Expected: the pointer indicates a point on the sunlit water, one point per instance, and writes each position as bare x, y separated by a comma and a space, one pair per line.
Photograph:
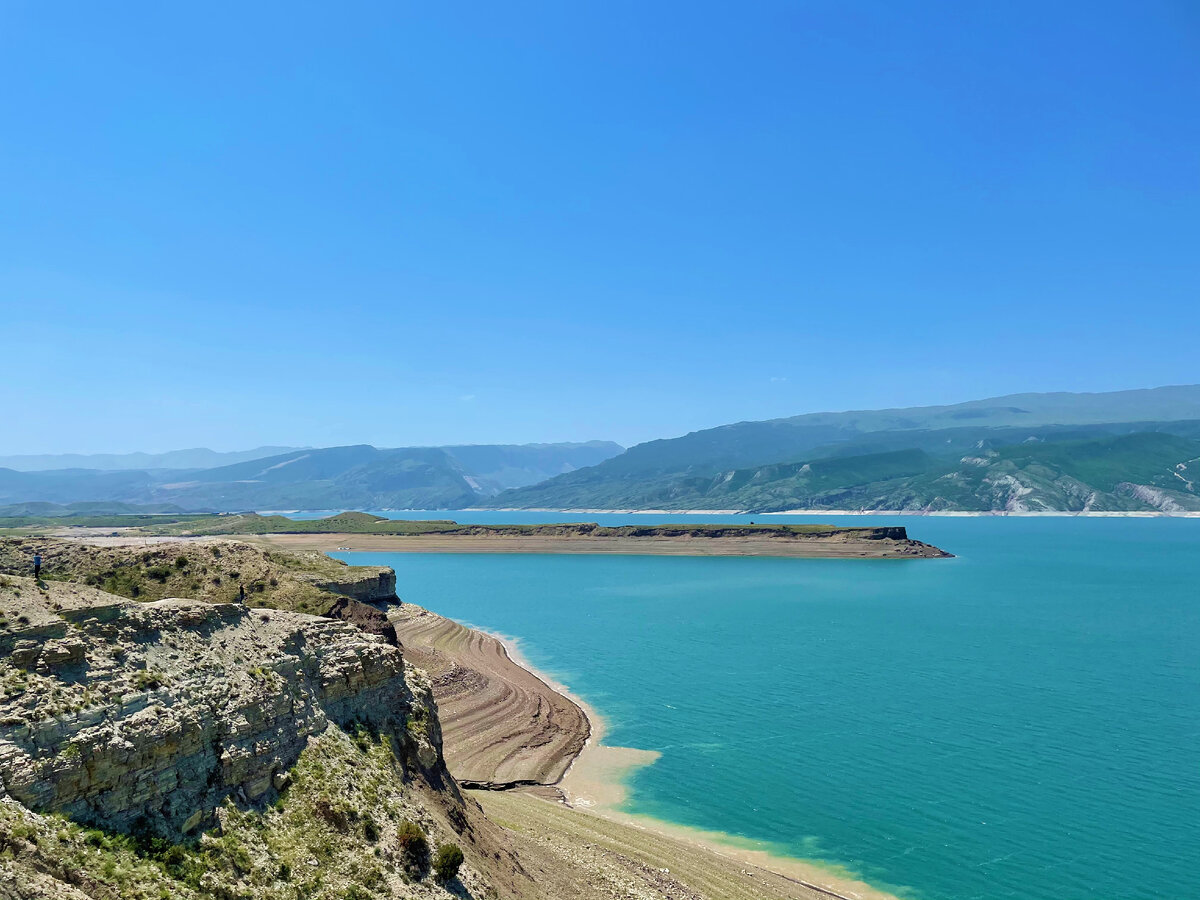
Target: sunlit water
1022, 721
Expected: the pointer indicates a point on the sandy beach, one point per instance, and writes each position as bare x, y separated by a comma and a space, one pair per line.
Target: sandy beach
535, 755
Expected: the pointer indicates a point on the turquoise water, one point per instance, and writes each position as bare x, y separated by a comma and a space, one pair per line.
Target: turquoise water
1022, 721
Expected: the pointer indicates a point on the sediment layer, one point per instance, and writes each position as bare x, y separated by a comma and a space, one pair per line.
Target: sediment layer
502, 725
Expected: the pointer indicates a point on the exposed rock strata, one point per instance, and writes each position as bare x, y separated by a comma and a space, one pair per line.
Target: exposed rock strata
503, 725
117, 712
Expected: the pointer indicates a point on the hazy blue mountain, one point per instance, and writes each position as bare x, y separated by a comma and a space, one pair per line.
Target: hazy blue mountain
90, 508
354, 477
495, 467
197, 458
73, 485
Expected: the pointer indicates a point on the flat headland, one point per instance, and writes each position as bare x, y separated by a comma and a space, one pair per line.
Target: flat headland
363, 531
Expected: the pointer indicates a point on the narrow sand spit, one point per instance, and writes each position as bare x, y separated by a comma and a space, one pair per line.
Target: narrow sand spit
506, 726
838, 546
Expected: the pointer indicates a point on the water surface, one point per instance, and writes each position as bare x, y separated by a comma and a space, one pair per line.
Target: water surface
1022, 721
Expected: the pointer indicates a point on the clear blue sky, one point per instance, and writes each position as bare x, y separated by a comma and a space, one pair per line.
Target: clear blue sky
227, 224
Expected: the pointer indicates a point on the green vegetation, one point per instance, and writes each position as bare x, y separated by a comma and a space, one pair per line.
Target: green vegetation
449, 857
303, 582
94, 521
1054, 468
309, 844
414, 846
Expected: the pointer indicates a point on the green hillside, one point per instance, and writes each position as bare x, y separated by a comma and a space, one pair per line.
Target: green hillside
706, 469
1141, 471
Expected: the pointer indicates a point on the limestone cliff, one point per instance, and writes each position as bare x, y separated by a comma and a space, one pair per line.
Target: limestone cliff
118, 712
221, 751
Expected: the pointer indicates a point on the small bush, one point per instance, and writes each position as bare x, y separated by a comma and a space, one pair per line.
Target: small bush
147, 681
334, 815
447, 861
413, 845
181, 562
370, 829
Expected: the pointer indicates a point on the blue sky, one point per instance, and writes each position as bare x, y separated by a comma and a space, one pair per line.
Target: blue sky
231, 224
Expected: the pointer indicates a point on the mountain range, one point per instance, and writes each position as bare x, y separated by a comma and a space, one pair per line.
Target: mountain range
1121, 451
195, 458
355, 477
1124, 451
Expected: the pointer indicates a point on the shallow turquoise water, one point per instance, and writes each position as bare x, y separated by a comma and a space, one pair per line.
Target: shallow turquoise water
1022, 721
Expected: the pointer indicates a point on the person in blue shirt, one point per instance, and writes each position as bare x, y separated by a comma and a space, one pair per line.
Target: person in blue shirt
37, 567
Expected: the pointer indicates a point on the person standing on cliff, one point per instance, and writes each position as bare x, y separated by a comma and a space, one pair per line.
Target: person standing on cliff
241, 593
37, 566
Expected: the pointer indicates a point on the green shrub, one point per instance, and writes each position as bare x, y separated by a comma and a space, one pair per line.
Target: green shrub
447, 861
181, 562
147, 681
334, 814
413, 845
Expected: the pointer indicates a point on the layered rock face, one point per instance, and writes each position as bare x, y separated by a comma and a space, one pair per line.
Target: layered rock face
367, 584
149, 715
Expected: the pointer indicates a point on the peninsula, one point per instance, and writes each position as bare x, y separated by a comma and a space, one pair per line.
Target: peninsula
362, 531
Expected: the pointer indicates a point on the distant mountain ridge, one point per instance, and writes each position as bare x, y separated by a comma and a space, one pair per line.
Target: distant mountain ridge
195, 458
354, 477
1120, 451
701, 470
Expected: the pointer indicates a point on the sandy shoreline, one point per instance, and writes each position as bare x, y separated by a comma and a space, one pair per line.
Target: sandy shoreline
835, 547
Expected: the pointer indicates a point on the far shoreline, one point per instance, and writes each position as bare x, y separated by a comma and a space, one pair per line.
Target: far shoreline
1000, 513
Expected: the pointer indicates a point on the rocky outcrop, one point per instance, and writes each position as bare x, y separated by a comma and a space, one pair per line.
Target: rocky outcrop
220, 571
367, 584
128, 714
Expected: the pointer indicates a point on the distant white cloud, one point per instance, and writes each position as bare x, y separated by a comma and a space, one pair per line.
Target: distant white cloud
775, 379
467, 398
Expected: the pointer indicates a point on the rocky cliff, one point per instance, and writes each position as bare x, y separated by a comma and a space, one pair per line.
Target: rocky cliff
221, 751
117, 712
